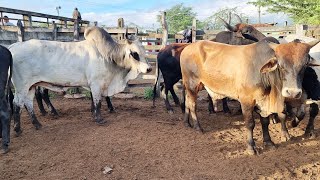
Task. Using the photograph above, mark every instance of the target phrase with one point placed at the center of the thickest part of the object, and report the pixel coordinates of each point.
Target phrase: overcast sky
(140, 12)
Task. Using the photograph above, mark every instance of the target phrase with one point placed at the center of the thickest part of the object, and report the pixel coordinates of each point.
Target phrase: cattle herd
(272, 79)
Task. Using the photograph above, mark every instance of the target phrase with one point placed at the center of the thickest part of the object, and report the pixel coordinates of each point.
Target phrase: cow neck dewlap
(273, 100)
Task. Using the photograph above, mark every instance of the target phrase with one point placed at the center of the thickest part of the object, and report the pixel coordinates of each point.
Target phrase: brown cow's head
(244, 29)
(291, 59)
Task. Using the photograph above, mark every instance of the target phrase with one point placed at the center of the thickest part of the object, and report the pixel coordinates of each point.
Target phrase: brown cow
(258, 75)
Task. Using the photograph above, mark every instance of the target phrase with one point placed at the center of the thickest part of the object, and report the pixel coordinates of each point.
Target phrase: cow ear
(272, 45)
(239, 35)
(313, 62)
(270, 66)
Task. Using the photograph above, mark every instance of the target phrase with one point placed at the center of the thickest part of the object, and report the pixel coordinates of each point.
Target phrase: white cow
(98, 63)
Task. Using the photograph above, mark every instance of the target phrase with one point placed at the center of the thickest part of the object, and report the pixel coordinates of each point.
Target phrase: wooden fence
(63, 29)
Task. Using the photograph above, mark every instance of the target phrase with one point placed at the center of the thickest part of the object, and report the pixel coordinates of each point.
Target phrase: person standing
(6, 21)
(76, 14)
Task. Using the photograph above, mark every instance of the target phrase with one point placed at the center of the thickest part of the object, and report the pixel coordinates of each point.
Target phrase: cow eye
(135, 55)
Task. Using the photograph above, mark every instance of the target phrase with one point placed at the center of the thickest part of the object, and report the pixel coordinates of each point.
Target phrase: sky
(140, 12)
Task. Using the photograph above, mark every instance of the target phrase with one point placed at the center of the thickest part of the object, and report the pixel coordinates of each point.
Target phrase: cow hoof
(269, 145)
(5, 149)
(37, 126)
(310, 134)
(294, 123)
(44, 113)
(286, 137)
(18, 133)
(54, 114)
(101, 122)
(112, 111)
(252, 151)
(170, 111)
(199, 129)
(187, 124)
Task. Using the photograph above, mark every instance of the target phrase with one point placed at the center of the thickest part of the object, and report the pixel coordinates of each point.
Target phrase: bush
(148, 93)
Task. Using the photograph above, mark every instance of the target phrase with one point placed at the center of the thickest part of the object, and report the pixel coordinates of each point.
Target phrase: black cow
(5, 64)
(168, 60)
(311, 86)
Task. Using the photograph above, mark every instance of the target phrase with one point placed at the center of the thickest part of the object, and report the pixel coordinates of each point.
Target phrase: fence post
(120, 26)
(20, 31)
(164, 43)
(54, 32)
(194, 30)
(76, 30)
(27, 20)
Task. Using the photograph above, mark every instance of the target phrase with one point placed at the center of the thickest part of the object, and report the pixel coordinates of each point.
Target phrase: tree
(179, 17)
(301, 11)
(213, 21)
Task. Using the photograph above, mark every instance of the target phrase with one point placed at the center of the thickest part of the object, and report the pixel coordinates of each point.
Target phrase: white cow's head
(130, 54)
(135, 56)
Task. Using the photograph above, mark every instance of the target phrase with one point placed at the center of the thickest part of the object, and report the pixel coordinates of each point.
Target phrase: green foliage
(148, 93)
(213, 22)
(301, 11)
(179, 17)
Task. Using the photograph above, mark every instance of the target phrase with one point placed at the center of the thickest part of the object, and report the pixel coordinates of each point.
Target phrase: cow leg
(192, 106)
(96, 97)
(29, 106)
(16, 118)
(92, 104)
(265, 132)
(225, 106)
(314, 110)
(5, 126)
(284, 129)
(110, 107)
(166, 101)
(11, 97)
(45, 96)
(298, 117)
(250, 124)
(39, 101)
(210, 105)
(174, 96)
(183, 100)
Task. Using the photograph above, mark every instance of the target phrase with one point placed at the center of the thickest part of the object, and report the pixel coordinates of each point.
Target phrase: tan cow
(259, 75)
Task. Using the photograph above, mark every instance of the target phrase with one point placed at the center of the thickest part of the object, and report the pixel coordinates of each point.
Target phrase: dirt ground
(140, 142)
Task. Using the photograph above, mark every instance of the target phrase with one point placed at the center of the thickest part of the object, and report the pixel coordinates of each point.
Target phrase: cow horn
(313, 43)
(238, 17)
(227, 25)
(272, 45)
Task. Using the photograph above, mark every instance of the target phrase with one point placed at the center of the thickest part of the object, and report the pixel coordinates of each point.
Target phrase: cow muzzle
(291, 93)
(149, 69)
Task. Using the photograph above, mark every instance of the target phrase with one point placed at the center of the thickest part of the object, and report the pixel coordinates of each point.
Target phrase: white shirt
(8, 24)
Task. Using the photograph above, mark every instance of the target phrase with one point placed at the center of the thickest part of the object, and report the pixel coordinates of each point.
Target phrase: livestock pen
(141, 142)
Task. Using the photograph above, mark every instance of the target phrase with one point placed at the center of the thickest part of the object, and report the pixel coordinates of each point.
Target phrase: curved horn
(227, 25)
(126, 34)
(313, 43)
(238, 17)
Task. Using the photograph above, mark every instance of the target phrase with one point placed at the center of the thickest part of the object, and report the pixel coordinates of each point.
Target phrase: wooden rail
(27, 17)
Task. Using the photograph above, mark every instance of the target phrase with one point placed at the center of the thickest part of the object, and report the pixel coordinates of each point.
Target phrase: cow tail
(9, 84)
(155, 85)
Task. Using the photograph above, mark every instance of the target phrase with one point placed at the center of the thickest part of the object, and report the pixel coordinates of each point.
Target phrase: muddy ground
(140, 142)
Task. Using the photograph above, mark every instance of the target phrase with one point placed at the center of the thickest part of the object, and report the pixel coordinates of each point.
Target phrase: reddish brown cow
(258, 75)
